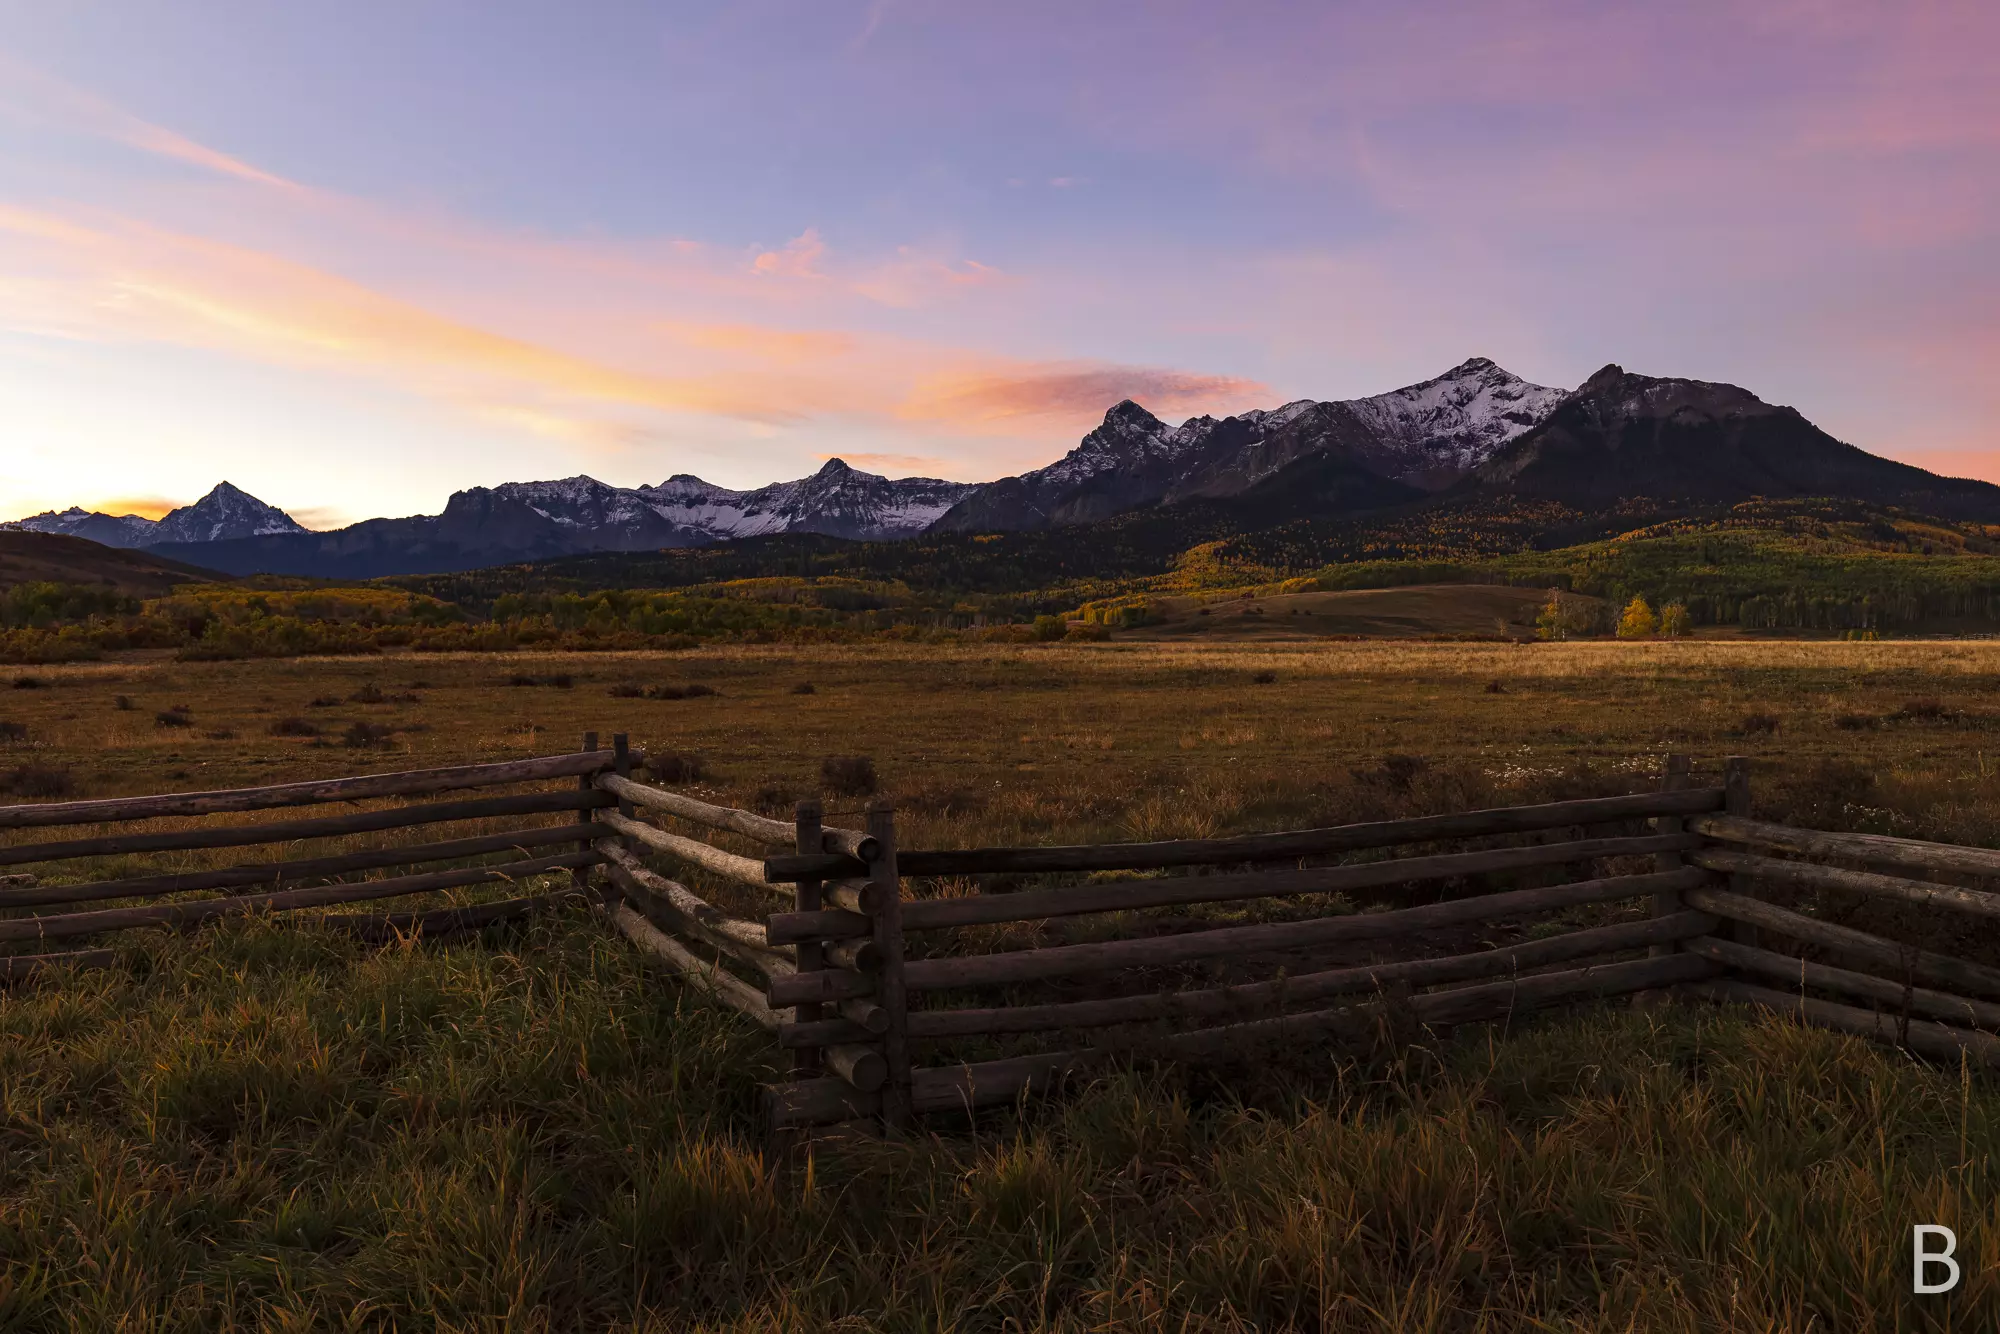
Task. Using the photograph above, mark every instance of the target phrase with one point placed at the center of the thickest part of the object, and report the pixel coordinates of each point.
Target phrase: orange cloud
(146, 507)
(797, 260)
(1071, 391)
(130, 279)
(902, 465)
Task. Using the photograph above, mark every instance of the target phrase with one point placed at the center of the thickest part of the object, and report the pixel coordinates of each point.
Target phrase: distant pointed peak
(1126, 417)
(834, 468)
(1474, 366)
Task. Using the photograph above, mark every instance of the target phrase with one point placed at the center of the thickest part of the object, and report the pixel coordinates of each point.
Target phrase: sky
(355, 256)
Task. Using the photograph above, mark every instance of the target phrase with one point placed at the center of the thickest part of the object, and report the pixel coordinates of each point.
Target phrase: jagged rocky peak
(1426, 435)
(225, 513)
(1615, 390)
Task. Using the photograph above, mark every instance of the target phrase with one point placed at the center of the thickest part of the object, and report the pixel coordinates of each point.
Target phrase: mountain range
(1474, 434)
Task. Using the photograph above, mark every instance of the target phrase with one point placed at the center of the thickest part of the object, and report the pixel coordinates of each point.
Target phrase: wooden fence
(1122, 950)
(146, 871)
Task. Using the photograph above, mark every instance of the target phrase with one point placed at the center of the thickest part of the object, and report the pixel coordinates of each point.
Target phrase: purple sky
(355, 256)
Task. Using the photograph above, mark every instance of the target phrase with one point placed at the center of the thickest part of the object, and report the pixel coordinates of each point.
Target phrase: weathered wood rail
(51, 896)
(855, 957)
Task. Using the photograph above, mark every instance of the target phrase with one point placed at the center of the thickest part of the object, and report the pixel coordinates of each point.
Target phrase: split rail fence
(1188, 949)
(157, 876)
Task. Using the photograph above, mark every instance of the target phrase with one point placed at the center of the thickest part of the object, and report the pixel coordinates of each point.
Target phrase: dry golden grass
(261, 1127)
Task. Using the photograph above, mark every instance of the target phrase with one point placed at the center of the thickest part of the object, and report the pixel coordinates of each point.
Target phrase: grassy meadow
(277, 1127)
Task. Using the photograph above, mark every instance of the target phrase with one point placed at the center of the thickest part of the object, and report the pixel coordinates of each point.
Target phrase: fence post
(806, 820)
(889, 992)
(1675, 779)
(579, 877)
(621, 764)
(1736, 801)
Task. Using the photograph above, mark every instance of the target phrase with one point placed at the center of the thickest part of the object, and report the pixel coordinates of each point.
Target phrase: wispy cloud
(1069, 391)
(28, 94)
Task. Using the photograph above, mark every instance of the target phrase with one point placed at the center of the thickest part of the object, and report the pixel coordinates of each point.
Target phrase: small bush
(1753, 723)
(676, 767)
(1397, 773)
(178, 716)
(420, 684)
(627, 690)
(561, 681)
(13, 731)
(43, 781)
(692, 691)
(30, 683)
(221, 734)
(804, 688)
(1264, 678)
(1854, 722)
(1496, 688)
(1050, 628)
(1922, 711)
(362, 736)
(294, 727)
(368, 694)
(522, 679)
(775, 799)
(1089, 634)
(848, 775)
(324, 702)
(122, 703)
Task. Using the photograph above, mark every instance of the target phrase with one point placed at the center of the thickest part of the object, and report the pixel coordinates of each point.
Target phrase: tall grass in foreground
(269, 1127)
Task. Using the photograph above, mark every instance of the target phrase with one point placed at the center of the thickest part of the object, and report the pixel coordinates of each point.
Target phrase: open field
(1412, 612)
(270, 1127)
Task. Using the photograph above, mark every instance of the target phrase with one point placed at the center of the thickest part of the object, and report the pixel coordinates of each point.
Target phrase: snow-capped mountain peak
(1425, 435)
(225, 512)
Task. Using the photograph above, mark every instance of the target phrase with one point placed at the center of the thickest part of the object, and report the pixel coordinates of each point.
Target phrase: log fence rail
(893, 1007)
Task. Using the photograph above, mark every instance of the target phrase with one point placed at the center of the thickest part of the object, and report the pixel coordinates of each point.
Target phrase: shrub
(122, 703)
(44, 781)
(674, 766)
(1638, 620)
(804, 688)
(29, 683)
(361, 735)
(1049, 628)
(13, 731)
(1397, 773)
(522, 679)
(695, 690)
(368, 694)
(324, 702)
(1922, 710)
(561, 681)
(775, 799)
(294, 727)
(1089, 634)
(1853, 722)
(627, 690)
(848, 775)
(221, 734)
(1264, 678)
(1757, 722)
(1496, 688)
(178, 716)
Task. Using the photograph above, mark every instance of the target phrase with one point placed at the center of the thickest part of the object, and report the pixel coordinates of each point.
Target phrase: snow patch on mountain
(225, 512)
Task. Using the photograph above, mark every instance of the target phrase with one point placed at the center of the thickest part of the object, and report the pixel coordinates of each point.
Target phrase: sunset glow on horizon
(353, 258)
